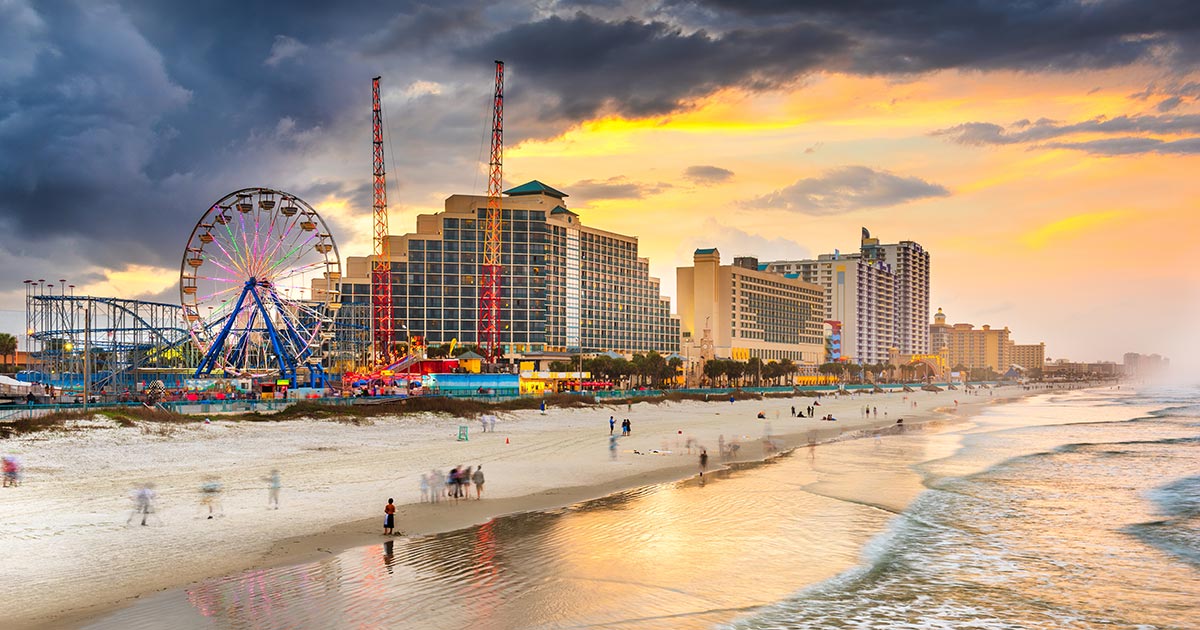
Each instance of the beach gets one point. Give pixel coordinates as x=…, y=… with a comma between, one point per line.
x=70, y=555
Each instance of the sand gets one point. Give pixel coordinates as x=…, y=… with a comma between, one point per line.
x=69, y=554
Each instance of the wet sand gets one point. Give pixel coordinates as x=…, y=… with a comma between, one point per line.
x=336, y=476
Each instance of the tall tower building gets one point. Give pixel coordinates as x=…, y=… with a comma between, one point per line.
x=910, y=264
x=939, y=333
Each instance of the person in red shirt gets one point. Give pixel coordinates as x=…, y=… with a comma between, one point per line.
x=389, y=518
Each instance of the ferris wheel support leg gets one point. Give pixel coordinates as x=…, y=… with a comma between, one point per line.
x=291, y=331
x=238, y=355
x=286, y=367
x=210, y=357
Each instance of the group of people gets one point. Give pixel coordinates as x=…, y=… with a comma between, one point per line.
x=806, y=412
x=626, y=426
x=436, y=487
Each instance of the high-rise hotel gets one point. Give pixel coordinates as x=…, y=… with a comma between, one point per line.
x=879, y=297
x=740, y=311
x=567, y=287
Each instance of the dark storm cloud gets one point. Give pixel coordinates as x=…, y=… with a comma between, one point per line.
x=618, y=187
x=848, y=188
x=705, y=174
x=983, y=134
x=921, y=35
x=635, y=68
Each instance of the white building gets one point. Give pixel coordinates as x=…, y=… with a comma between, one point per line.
x=859, y=294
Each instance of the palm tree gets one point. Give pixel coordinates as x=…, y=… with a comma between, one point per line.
x=676, y=366
x=8, y=346
x=787, y=369
x=754, y=366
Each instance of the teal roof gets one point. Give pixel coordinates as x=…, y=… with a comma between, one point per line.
x=561, y=210
x=708, y=250
x=762, y=266
x=535, y=188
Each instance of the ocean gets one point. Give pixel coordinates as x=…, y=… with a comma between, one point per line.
x=1076, y=509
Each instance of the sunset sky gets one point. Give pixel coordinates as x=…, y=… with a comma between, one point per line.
x=1045, y=152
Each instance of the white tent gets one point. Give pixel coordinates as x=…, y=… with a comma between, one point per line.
x=9, y=385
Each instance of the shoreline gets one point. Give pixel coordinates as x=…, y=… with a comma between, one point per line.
x=418, y=519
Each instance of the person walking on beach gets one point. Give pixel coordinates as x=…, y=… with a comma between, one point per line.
x=793, y=411
x=478, y=479
x=542, y=407
x=876, y=410
x=143, y=501
x=612, y=424
x=389, y=518
x=12, y=471
x=628, y=427
x=273, y=486
x=210, y=492
x=464, y=478
x=703, y=461
x=612, y=447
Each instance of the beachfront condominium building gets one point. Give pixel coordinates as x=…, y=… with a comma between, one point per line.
x=910, y=264
x=566, y=287
x=880, y=296
x=749, y=312
x=963, y=345
x=1029, y=355
x=859, y=301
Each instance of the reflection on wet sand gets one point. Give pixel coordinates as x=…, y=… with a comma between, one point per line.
x=677, y=555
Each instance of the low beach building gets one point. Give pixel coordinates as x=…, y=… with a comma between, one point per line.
x=970, y=347
x=1029, y=356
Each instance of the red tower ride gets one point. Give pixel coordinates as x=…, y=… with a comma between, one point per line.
x=381, y=267
x=489, y=291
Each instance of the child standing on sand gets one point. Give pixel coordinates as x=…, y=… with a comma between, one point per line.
x=389, y=518
x=273, y=486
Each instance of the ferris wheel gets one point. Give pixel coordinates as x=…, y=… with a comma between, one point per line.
x=259, y=286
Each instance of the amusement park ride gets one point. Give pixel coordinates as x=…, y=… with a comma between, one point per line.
x=259, y=287
x=259, y=291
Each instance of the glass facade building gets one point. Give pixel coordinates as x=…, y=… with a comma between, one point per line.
x=566, y=287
